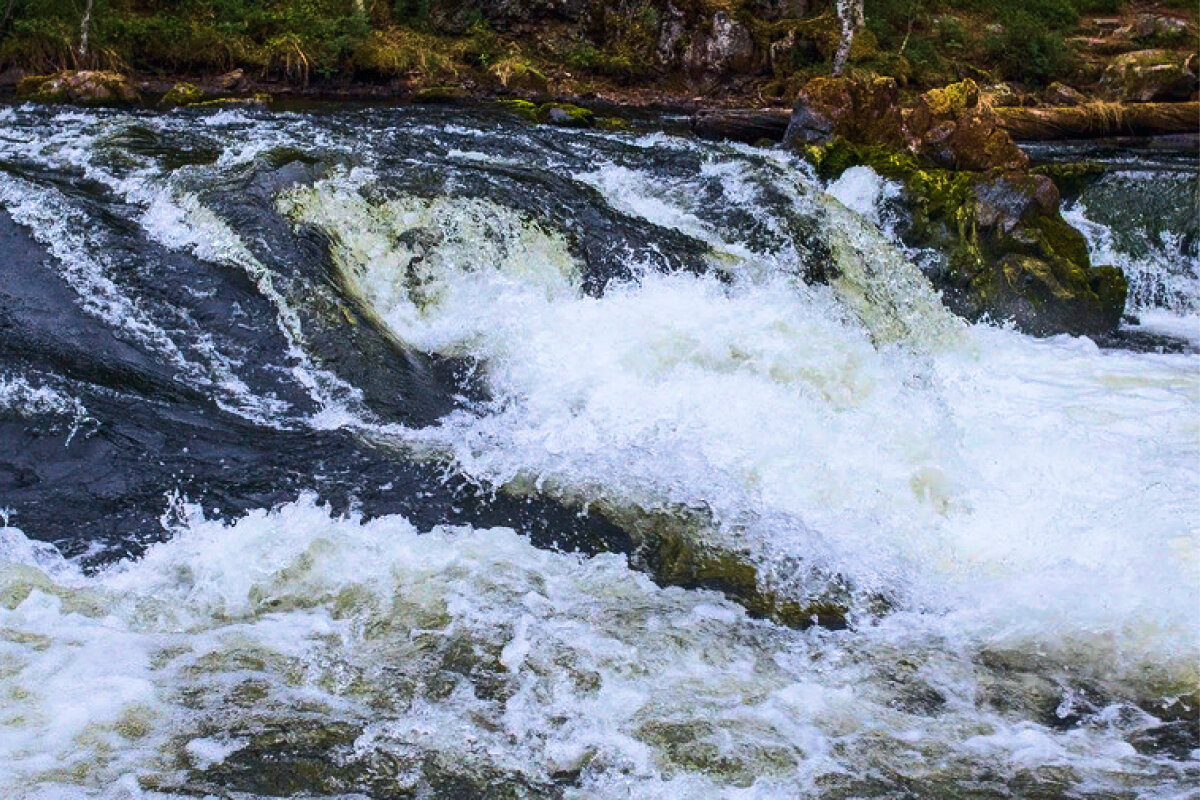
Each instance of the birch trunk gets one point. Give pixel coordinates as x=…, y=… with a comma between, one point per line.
x=84, y=29
x=850, y=12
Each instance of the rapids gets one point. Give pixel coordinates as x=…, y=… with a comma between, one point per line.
x=334, y=447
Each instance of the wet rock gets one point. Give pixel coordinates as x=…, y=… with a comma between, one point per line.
x=258, y=100
x=85, y=87
x=1059, y=94
x=672, y=548
x=948, y=125
x=440, y=95
x=728, y=47
x=1148, y=75
x=1007, y=252
x=566, y=115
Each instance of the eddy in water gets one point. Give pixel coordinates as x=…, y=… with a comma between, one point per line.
x=394, y=453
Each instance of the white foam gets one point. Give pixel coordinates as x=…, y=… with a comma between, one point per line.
x=994, y=478
x=112, y=679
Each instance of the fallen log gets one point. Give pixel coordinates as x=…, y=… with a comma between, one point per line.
x=1099, y=120
x=741, y=125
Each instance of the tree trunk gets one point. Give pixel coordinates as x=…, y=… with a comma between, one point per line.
x=1097, y=120
x=7, y=16
x=84, y=29
x=850, y=12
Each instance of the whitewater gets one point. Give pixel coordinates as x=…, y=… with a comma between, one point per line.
x=340, y=468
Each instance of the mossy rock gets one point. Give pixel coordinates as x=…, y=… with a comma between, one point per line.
x=83, y=87
x=1008, y=252
x=444, y=95
x=673, y=550
x=522, y=108
x=1071, y=178
x=1147, y=76
x=31, y=85
x=616, y=124
x=566, y=115
x=183, y=94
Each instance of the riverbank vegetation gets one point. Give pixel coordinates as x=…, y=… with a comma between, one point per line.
x=766, y=49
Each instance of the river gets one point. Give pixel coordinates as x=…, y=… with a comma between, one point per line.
x=335, y=447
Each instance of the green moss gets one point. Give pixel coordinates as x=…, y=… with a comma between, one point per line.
x=676, y=558
x=566, y=115
x=184, y=94
x=616, y=124
x=1060, y=240
x=440, y=94
x=1111, y=286
x=522, y=108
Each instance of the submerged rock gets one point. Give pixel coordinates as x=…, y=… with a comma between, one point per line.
x=85, y=87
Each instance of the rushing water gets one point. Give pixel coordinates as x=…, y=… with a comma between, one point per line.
x=316, y=431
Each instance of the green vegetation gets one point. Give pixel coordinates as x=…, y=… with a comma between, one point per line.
x=533, y=48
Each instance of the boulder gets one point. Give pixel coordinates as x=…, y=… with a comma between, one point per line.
x=1146, y=76
x=1059, y=94
x=1149, y=26
x=860, y=111
x=84, y=87
x=1001, y=95
x=440, y=95
x=951, y=127
x=183, y=94
x=566, y=115
x=728, y=47
x=234, y=81
x=12, y=76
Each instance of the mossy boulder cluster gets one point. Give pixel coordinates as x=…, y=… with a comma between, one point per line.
x=85, y=87
x=1008, y=254
x=564, y=115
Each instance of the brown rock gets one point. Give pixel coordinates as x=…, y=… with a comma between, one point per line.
x=860, y=111
x=234, y=81
x=1059, y=94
